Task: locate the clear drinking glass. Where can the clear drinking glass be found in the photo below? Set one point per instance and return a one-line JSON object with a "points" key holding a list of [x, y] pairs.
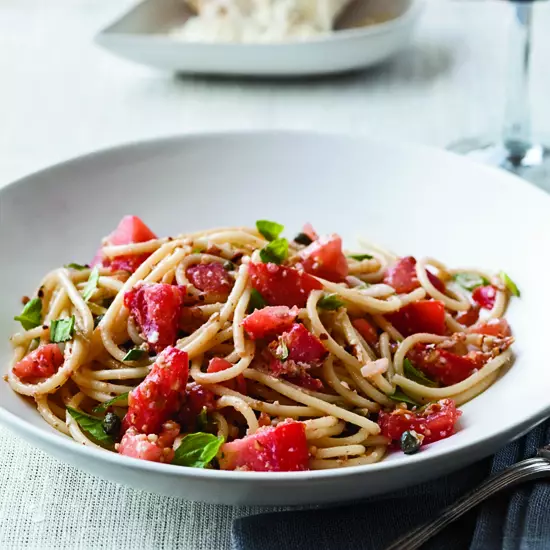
{"points": [[517, 150]]}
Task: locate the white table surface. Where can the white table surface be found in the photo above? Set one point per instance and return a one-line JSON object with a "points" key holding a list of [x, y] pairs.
{"points": [[61, 96]]}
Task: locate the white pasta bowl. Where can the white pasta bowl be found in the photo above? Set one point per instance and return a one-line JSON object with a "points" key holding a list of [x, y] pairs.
{"points": [[411, 199]]}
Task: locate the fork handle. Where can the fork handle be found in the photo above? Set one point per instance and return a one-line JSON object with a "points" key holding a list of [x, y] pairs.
{"points": [[532, 468]]}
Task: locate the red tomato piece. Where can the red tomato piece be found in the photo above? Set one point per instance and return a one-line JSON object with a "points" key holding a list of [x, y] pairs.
{"points": [[238, 383], [444, 366], [437, 421], [156, 308], [138, 445], [306, 381], [494, 327], [158, 397], [282, 286], [269, 321], [282, 448], [43, 362], [324, 258], [212, 277], [402, 276], [131, 229], [366, 330], [422, 316], [197, 398], [468, 318], [485, 296], [303, 346]]}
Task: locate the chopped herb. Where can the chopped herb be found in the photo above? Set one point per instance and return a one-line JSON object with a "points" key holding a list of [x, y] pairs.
{"points": [[282, 351], [510, 285], [414, 374], [361, 257], [104, 406], [134, 355], [197, 450], [399, 397], [275, 252], [112, 424], [256, 301], [78, 267], [330, 302], [202, 420], [98, 320], [302, 238], [197, 250], [91, 285], [62, 330], [410, 442], [229, 266], [470, 281], [270, 230], [91, 424], [31, 316]]}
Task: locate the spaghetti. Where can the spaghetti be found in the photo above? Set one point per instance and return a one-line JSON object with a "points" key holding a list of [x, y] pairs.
{"points": [[234, 348]]}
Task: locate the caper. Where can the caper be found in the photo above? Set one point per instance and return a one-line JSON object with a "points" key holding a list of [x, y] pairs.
{"points": [[111, 424], [229, 266], [302, 238], [410, 442]]}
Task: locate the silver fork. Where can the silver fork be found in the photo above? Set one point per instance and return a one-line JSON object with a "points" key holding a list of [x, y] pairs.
{"points": [[532, 468]]}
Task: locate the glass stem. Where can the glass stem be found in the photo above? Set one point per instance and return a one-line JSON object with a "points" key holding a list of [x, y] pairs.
{"points": [[517, 121]]}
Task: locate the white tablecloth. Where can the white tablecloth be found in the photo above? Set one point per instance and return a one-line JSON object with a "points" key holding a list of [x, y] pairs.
{"points": [[61, 96]]}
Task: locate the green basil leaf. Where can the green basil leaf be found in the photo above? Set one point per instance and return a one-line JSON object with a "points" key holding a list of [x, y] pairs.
{"points": [[91, 425], [31, 316], [202, 420], [331, 302], [275, 252], [470, 281], [399, 397], [270, 230], [78, 267], [361, 257], [197, 450], [134, 355], [62, 330], [510, 285], [91, 285], [414, 374], [256, 301], [104, 406]]}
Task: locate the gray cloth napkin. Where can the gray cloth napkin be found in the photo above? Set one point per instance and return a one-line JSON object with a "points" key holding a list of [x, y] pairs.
{"points": [[517, 519]]}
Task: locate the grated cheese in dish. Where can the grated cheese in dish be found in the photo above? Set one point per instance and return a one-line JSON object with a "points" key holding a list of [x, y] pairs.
{"points": [[259, 20]]}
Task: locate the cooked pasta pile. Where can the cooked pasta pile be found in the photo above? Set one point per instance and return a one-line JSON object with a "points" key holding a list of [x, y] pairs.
{"points": [[236, 348]]}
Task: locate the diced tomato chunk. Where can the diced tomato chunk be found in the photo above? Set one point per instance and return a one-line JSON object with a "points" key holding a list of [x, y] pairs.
{"points": [[43, 362], [212, 277], [282, 448], [138, 445], [238, 383], [156, 308], [269, 321], [485, 296], [437, 421], [469, 317], [130, 230], [444, 366], [303, 346], [324, 258], [282, 286], [494, 327], [402, 277], [159, 396], [196, 399], [366, 330], [422, 316]]}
